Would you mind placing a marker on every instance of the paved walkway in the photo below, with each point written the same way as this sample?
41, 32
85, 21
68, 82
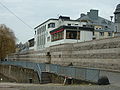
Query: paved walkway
14, 86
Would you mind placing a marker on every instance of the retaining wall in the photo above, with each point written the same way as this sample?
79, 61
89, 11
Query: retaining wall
103, 54
18, 74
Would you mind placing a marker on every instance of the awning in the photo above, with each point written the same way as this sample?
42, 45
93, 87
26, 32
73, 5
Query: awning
56, 31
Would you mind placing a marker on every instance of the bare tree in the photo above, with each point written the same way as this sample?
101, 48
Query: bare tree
7, 41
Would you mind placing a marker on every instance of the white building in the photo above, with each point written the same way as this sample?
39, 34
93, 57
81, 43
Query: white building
59, 31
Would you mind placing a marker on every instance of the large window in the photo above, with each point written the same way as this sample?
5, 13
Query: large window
72, 34
57, 36
41, 29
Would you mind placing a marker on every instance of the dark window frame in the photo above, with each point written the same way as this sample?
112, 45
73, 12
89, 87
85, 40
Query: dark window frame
51, 25
72, 34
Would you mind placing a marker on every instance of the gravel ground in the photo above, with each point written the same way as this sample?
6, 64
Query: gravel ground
14, 86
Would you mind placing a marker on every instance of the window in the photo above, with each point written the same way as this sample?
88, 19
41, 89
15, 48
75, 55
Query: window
115, 18
31, 43
41, 29
109, 33
51, 25
109, 22
101, 33
116, 28
38, 41
57, 36
72, 34
37, 31
69, 24
76, 24
96, 28
84, 25
106, 26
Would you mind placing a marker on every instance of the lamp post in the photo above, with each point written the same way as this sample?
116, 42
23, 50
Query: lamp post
111, 17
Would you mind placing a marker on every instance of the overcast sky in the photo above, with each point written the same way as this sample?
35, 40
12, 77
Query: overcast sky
34, 12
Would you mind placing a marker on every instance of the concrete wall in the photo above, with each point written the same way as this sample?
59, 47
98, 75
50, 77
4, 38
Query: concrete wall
103, 54
18, 74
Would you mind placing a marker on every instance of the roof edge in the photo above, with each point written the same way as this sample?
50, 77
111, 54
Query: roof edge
45, 22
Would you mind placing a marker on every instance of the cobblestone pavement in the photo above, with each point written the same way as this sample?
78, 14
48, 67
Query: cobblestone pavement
14, 86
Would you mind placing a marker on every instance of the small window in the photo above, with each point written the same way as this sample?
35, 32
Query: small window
96, 28
69, 24
106, 26
101, 33
109, 33
116, 28
115, 18
51, 25
84, 25
48, 39
109, 22
76, 24
38, 31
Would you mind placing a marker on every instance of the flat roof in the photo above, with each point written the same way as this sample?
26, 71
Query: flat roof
52, 19
45, 22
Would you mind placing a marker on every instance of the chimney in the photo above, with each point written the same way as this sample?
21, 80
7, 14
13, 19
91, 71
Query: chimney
88, 13
64, 18
82, 15
93, 14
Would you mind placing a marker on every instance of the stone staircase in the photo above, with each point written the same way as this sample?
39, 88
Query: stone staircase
45, 78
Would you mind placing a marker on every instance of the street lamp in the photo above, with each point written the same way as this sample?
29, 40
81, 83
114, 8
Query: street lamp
111, 17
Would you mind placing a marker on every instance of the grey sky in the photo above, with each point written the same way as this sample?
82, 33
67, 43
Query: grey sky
34, 12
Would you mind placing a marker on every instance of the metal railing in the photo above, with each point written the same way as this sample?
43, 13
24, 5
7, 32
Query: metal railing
86, 74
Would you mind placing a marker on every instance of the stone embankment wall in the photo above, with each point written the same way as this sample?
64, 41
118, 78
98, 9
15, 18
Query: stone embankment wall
104, 54
18, 74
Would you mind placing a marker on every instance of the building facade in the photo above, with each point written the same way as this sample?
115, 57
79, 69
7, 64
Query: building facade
117, 20
70, 34
59, 31
103, 27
